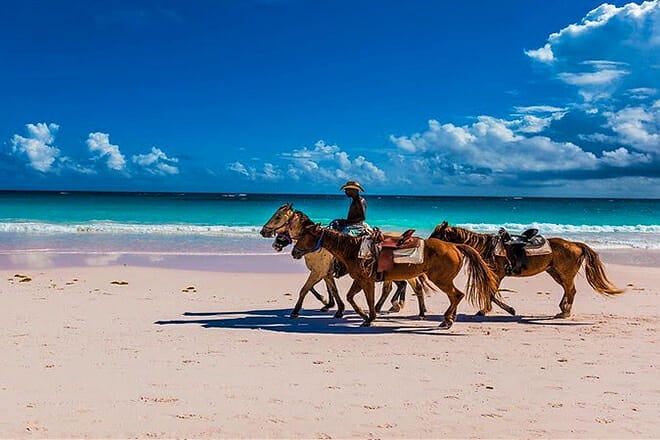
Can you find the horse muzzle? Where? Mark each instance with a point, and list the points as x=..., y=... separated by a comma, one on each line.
x=266, y=233
x=297, y=254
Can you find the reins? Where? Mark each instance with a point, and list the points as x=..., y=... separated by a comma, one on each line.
x=316, y=247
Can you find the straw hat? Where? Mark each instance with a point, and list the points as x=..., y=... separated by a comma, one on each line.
x=352, y=184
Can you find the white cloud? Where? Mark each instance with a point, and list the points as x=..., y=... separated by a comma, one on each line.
x=38, y=146
x=328, y=163
x=100, y=143
x=638, y=127
x=611, y=50
x=621, y=157
x=323, y=164
x=238, y=168
x=543, y=54
x=267, y=172
x=156, y=162
x=492, y=144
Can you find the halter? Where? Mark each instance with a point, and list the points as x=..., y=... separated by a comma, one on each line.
x=316, y=247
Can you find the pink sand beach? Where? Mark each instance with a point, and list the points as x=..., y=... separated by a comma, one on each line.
x=108, y=348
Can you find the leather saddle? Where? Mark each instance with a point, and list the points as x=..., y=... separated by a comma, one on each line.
x=390, y=243
x=517, y=247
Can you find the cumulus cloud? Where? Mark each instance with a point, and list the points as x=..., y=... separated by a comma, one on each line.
x=612, y=60
x=637, y=127
x=604, y=53
x=328, y=163
x=99, y=143
x=492, y=145
x=267, y=172
x=38, y=146
x=156, y=162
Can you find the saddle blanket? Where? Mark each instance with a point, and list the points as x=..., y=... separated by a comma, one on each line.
x=401, y=256
x=530, y=249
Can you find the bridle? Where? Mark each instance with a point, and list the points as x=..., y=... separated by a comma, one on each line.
x=316, y=247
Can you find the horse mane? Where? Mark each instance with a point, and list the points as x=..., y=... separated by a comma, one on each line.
x=304, y=219
x=344, y=243
x=455, y=234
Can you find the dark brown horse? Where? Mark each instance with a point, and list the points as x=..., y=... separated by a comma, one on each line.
x=562, y=264
x=442, y=263
x=288, y=221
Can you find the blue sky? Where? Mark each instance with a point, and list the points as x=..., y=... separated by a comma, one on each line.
x=522, y=97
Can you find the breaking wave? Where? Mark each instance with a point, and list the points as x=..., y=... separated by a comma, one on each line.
x=597, y=236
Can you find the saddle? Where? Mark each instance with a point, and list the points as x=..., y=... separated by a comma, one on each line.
x=393, y=249
x=516, y=248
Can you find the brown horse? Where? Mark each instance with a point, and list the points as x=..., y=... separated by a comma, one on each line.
x=562, y=264
x=442, y=263
x=321, y=266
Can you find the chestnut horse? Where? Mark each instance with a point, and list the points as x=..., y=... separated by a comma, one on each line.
x=321, y=266
x=442, y=263
x=562, y=264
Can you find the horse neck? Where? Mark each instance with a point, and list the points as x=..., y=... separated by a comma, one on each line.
x=300, y=224
x=481, y=242
x=343, y=247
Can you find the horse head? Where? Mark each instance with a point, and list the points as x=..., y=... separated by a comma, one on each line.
x=278, y=222
x=309, y=240
x=441, y=231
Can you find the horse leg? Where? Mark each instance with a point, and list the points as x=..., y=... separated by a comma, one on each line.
x=399, y=298
x=329, y=286
x=419, y=292
x=334, y=295
x=320, y=297
x=311, y=281
x=369, y=288
x=500, y=303
x=566, y=303
x=455, y=296
x=387, y=288
x=352, y=291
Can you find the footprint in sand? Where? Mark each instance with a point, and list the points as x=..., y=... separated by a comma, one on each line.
x=189, y=289
x=22, y=278
x=119, y=283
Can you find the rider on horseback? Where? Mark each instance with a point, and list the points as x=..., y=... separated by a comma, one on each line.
x=354, y=222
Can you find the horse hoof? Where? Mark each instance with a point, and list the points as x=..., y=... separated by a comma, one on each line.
x=563, y=315
x=446, y=325
x=512, y=312
x=366, y=324
x=394, y=309
x=421, y=317
x=325, y=309
x=293, y=315
x=480, y=313
x=339, y=314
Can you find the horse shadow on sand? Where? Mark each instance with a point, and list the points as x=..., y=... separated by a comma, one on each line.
x=317, y=322
x=309, y=321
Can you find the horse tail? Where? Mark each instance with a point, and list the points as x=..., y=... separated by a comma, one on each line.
x=595, y=271
x=481, y=281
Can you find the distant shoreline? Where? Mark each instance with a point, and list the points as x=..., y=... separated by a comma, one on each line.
x=329, y=195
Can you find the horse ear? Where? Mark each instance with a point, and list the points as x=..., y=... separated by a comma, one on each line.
x=444, y=224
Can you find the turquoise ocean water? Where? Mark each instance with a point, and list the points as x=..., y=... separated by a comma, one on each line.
x=228, y=224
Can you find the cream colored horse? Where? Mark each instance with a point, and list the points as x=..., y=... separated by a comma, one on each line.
x=321, y=267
